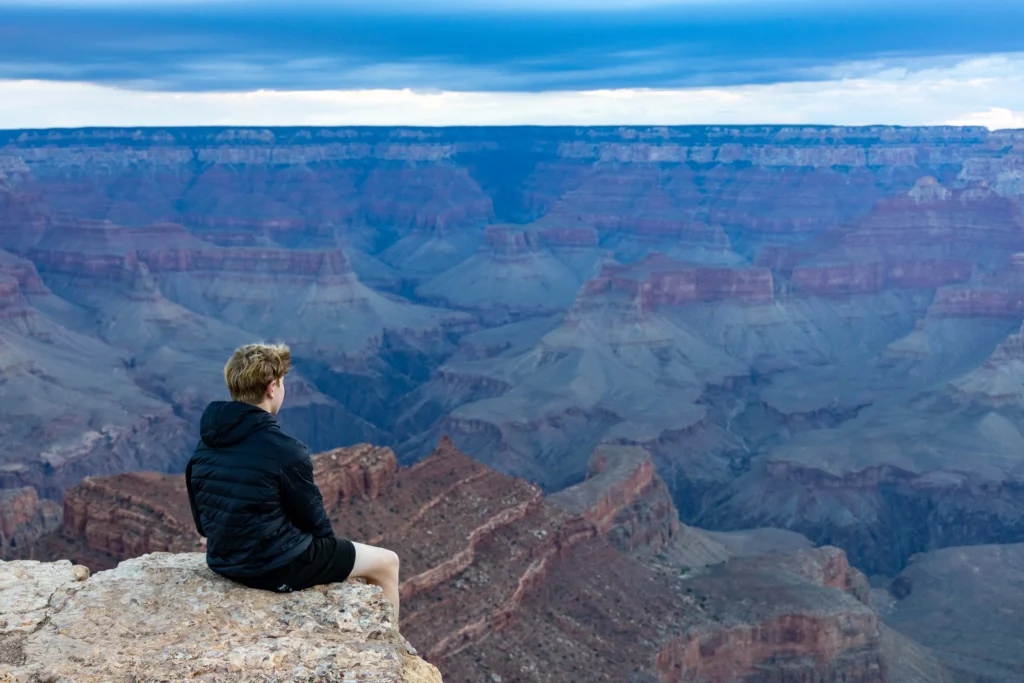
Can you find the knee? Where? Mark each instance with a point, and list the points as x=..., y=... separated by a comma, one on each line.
x=391, y=562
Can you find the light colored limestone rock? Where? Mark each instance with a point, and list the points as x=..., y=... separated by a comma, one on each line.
x=167, y=617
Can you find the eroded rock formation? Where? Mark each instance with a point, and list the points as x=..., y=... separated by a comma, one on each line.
x=600, y=581
x=810, y=328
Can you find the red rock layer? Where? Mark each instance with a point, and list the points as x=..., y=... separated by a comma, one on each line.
x=356, y=473
x=834, y=639
x=510, y=239
x=25, y=519
x=131, y=514
x=108, y=519
x=823, y=649
x=626, y=500
x=929, y=237
x=981, y=301
x=103, y=250
x=525, y=238
x=279, y=201
x=659, y=280
x=827, y=567
x=868, y=277
x=930, y=215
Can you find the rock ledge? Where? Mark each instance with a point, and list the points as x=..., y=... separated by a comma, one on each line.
x=167, y=617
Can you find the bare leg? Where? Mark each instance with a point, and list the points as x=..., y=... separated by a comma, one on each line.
x=379, y=567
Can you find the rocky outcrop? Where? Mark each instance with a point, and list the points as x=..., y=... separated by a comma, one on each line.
x=662, y=281
x=362, y=473
x=630, y=504
x=766, y=625
x=143, y=621
x=827, y=566
x=20, y=285
x=625, y=499
x=109, y=519
x=25, y=519
x=965, y=604
x=132, y=514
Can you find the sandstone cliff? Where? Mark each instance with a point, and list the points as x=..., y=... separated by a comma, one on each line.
x=168, y=617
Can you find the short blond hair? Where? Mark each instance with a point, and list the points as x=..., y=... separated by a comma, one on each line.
x=252, y=367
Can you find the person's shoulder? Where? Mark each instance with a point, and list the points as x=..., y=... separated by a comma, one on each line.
x=288, y=450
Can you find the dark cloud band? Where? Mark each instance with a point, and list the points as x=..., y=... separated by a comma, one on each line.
x=286, y=46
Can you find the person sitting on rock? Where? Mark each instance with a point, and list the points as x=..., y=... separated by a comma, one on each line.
x=253, y=497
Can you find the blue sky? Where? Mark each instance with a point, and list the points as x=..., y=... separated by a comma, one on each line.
x=517, y=52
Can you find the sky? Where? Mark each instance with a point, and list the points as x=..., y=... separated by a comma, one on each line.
x=70, y=63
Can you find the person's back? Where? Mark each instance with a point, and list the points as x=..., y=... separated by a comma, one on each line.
x=255, y=485
x=253, y=497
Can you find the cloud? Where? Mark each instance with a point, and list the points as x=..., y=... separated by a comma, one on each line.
x=454, y=45
x=985, y=91
x=994, y=119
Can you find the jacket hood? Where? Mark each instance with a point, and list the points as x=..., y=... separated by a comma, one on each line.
x=225, y=423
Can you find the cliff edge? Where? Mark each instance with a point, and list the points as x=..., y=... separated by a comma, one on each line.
x=168, y=617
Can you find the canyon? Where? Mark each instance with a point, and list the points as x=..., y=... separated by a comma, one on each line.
x=814, y=330
x=600, y=581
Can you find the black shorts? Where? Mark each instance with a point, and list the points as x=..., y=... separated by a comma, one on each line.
x=326, y=560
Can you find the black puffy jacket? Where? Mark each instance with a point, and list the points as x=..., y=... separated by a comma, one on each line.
x=251, y=489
